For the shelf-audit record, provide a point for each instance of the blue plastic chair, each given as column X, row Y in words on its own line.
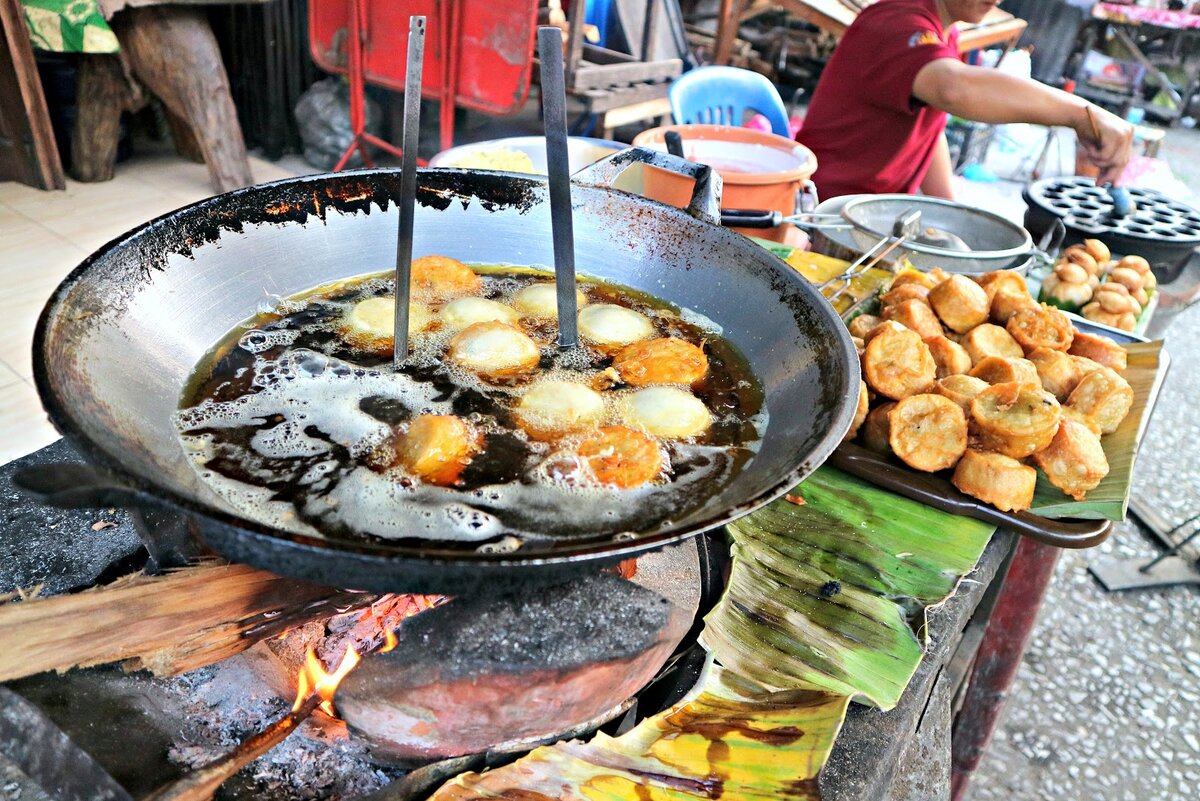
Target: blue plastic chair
column 721, row 95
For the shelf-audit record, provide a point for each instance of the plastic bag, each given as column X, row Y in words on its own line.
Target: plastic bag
column 323, row 116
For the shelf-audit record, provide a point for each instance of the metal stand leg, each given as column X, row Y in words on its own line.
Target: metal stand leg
column 358, row 100
column 1165, row 570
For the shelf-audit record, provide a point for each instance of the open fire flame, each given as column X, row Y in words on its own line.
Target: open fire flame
column 315, row 679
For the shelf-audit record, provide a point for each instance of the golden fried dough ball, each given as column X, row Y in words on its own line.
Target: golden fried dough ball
column 886, row 325
column 494, row 350
column 907, row 291
column 1074, row 461
column 666, row 412
column 951, row 358
column 462, row 312
column 437, row 447
column 541, row 300
column 1078, row 254
column 916, row 316
column 1057, row 371
column 1101, row 350
column 550, row 409
column 961, row 389
column 897, row 364
column 876, row 429
column 369, row 325
column 611, row 327
column 1097, row 250
column 861, row 325
column 1135, row 263
column 1001, row 370
column 1041, row 327
column 620, row 457
column 928, row 432
column 996, row 479
column 1014, row 419
column 961, row 303
column 860, row 411
column 667, row 360
column 987, row 340
column 911, row 276
column 1104, row 397
column 443, row 277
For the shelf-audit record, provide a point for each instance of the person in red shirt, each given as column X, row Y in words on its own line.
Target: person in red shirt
column 877, row 119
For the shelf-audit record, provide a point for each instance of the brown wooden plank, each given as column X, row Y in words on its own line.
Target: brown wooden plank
column 28, row 152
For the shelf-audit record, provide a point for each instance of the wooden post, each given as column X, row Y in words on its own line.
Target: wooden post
column 102, row 97
column 28, row 152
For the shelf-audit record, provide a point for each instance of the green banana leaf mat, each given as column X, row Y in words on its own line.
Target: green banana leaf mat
column 826, row 603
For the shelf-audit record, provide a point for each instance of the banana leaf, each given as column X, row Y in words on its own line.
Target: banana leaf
column 727, row 739
column 1110, row 500
column 831, row 595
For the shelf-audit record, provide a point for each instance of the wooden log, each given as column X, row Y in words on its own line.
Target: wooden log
column 184, row 138
column 172, row 51
column 103, row 95
column 168, row 624
column 28, row 152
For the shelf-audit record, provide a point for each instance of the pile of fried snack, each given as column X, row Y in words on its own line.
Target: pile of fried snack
column 976, row 376
column 1089, row 281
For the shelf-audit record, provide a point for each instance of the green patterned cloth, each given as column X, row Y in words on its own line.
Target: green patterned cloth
column 69, row 26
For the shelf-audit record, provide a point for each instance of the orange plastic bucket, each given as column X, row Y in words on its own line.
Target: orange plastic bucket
column 759, row 170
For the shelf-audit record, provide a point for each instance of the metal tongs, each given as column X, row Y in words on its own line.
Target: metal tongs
column 906, row 227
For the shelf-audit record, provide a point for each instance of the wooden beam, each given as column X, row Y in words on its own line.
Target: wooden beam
column 28, row 152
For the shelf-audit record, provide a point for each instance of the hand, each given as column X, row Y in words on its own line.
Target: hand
column 1106, row 141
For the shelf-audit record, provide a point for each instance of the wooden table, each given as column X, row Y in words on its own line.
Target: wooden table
column 835, row 16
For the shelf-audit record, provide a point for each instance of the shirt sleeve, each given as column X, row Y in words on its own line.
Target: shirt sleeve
column 901, row 44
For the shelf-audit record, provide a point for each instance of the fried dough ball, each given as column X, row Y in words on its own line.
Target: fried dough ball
column 666, row 412
column 1001, row 370
column 1078, row 254
column 494, row 350
column 906, row 291
column 961, row 303
column 1137, row 263
column 437, row 447
column 897, row 364
column 611, row 327
column 1007, row 294
column 1015, row 419
column 550, row 409
column 876, row 429
column 996, row 479
column 1041, row 327
column 860, row 411
column 1101, row 350
column 861, row 325
column 443, row 277
column 961, row 389
column 987, row 340
column 1097, row 250
column 1074, row 461
column 369, row 325
column 1104, row 397
column 541, row 300
column 927, row 432
column 915, row 315
column 951, row 358
column 886, row 325
column 667, row 360
column 1057, row 371
column 462, row 312
column 620, row 457
column 911, row 276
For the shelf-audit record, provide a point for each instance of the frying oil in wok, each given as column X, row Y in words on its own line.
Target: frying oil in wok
column 282, row 420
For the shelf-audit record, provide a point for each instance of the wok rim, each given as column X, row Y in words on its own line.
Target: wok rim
column 383, row 553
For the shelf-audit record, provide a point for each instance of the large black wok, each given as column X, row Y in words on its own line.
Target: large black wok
column 118, row 339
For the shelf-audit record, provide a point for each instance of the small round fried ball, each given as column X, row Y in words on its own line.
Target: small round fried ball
column 666, row 412
column 1099, row 349
column 897, row 364
column 1041, row 327
column 961, row 389
column 987, row 340
column 951, row 358
column 996, row 479
column 369, row 325
column 611, row 327
column 549, row 409
column 1077, row 254
column 915, row 315
column 927, row 432
column 1014, row 419
column 961, row 303
column 1097, row 250
column 437, row 447
column 494, row 350
column 443, row 277
column 1138, row 263
column 462, row 312
column 667, row 360
column 620, row 457
column 1074, row 461
column 541, row 300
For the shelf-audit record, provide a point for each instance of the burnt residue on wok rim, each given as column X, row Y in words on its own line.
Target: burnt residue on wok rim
column 306, row 201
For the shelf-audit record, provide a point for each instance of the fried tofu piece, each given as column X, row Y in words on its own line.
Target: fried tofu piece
column 1041, row 327
column 861, row 325
column 666, row 360
column 1001, row 370
column 996, row 479
column 621, row 457
column 1074, row 461
column 903, row 292
column 860, row 412
column 915, row 315
column 1014, row 419
column 897, row 364
column 1104, row 397
column 987, row 340
column 928, row 432
column 1101, row 350
column 1007, row 294
column 951, row 357
column 1057, row 371
column 876, row 429
column 884, row 325
column 961, row 389
column 961, row 303
column 911, row 276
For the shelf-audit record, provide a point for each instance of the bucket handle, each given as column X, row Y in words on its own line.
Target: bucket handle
column 705, row 203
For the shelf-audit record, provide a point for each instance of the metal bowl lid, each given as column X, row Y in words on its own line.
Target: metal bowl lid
column 1087, row 208
column 989, row 235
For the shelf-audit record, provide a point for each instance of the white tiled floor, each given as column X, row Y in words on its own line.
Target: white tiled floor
column 44, row 235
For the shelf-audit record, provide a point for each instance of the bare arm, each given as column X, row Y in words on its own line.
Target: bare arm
column 986, row 95
column 939, row 181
